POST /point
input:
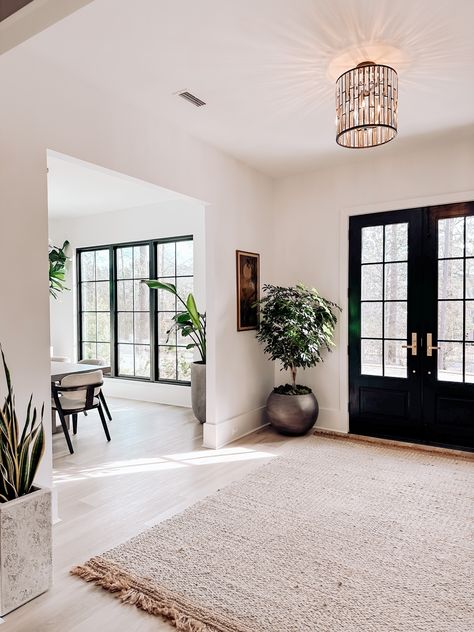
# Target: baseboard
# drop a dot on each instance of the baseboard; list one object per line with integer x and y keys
{"x": 331, "y": 419}
{"x": 171, "y": 394}
{"x": 218, "y": 435}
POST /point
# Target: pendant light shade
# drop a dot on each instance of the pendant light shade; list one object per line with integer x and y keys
{"x": 366, "y": 106}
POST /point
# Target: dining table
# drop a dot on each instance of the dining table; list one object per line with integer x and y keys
{"x": 59, "y": 370}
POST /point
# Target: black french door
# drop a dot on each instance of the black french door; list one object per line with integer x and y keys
{"x": 411, "y": 325}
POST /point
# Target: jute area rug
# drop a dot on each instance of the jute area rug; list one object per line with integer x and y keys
{"x": 332, "y": 536}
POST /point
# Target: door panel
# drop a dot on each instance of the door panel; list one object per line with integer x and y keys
{"x": 411, "y": 332}
{"x": 385, "y": 398}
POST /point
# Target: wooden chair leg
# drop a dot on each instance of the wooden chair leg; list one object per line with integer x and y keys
{"x": 65, "y": 430}
{"x": 104, "y": 404}
{"x": 74, "y": 423}
{"x": 104, "y": 422}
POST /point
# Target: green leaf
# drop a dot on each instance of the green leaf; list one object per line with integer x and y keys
{"x": 159, "y": 285}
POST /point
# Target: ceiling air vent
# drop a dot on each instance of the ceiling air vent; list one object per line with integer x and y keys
{"x": 191, "y": 98}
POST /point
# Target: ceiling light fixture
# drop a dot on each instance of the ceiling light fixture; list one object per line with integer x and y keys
{"x": 366, "y": 106}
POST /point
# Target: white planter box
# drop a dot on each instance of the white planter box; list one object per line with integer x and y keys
{"x": 25, "y": 549}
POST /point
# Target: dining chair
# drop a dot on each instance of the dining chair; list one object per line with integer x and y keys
{"x": 97, "y": 362}
{"x": 76, "y": 394}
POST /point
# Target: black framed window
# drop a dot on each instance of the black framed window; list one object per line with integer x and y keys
{"x": 94, "y": 298}
{"x": 125, "y": 324}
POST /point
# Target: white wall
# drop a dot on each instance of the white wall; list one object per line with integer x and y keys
{"x": 155, "y": 221}
{"x": 43, "y": 107}
{"x": 312, "y": 211}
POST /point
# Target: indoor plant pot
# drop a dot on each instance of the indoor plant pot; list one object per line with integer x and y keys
{"x": 190, "y": 323}
{"x": 296, "y": 325}
{"x": 25, "y": 548}
{"x": 25, "y": 510}
{"x": 292, "y": 414}
{"x": 198, "y": 390}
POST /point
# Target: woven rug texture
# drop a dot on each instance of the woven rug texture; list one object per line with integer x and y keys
{"x": 332, "y": 536}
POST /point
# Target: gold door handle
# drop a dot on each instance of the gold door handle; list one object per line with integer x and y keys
{"x": 429, "y": 345}
{"x": 414, "y": 345}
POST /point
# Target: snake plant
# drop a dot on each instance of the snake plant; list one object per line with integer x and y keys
{"x": 20, "y": 455}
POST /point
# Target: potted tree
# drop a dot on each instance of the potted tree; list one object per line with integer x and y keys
{"x": 191, "y": 324}
{"x": 296, "y": 327}
{"x": 25, "y": 510}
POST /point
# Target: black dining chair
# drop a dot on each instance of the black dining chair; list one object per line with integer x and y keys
{"x": 96, "y": 362}
{"x": 76, "y": 394}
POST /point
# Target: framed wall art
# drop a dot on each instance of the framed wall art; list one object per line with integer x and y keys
{"x": 248, "y": 289}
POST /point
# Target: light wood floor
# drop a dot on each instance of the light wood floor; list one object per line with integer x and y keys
{"x": 153, "y": 468}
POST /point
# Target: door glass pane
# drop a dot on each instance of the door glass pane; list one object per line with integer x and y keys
{"x": 371, "y": 320}
{"x": 450, "y": 319}
{"x": 372, "y": 244}
{"x": 371, "y": 357}
{"x": 469, "y": 278}
{"x": 396, "y": 281}
{"x": 395, "y": 359}
{"x": 396, "y": 242}
{"x": 451, "y": 237}
{"x": 450, "y": 278}
{"x": 469, "y": 377}
{"x": 450, "y": 361}
{"x": 469, "y": 324}
{"x": 470, "y": 236}
{"x": 371, "y": 283}
{"x": 396, "y": 320}
{"x": 89, "y": 350}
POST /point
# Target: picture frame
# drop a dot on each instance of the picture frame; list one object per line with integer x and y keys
{"x": 248, "y": 289}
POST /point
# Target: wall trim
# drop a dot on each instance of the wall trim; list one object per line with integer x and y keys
{"x": 218, "y": 435}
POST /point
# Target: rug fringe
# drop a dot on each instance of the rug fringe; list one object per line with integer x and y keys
{"x": 121, "y": 587}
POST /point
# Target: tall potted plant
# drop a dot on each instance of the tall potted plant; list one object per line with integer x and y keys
{"x": 191, "y": 324}
{"x": 296, "y": 327}
{"x": 25, "y": 510}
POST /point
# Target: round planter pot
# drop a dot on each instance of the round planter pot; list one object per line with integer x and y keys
{"x": 198, "y": 390}
{"x": 292, "y": 414}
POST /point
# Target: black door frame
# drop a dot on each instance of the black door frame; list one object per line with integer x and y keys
{"x": 421, "y": 386}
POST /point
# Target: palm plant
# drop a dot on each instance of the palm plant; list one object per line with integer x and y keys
{"x": 57, "y": 269}
{"x": 19, "y": 455}
{"x": 189, "y": 322}
{"x": 296, "y": 325}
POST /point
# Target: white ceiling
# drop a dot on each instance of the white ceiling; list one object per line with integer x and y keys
{"x": 266, "y": 67}
{"x": 77, "y": 188}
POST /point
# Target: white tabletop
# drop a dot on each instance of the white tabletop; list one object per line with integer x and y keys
{"x": 61, "y": 369}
